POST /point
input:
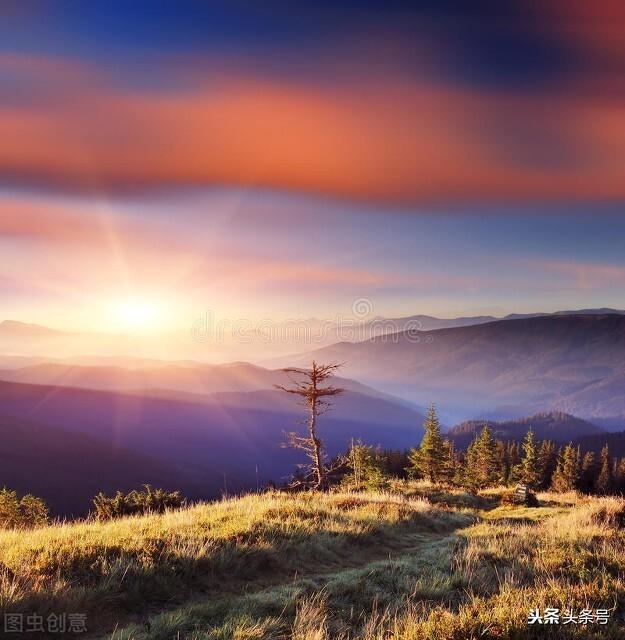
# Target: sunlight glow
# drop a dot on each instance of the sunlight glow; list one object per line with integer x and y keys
{"x": 137, "y": 314}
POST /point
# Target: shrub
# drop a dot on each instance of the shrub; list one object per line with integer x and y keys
{"x": 149, "y": 500}
{"x": 34, "y": 511}
{"x": 28, "y": 512}
{"x": 366, "y": 469}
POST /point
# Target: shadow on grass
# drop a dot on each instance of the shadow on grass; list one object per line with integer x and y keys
{"x": 112, "y": 585}
{"x": 350, "y": 596}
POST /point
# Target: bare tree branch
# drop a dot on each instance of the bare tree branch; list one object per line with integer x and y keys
{"x": 317, "y": 399}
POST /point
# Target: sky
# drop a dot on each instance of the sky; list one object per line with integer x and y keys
{"x": 283, "y": 160}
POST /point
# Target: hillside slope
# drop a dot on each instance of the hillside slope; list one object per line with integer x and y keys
{"x": 369, "y": 566}
{"x": 68, "y": 469}
{"x": 229, "y": 440}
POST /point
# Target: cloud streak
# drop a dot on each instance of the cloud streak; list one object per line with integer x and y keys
{"x": 587, "y": 276}
{"x": 369, "y": 115}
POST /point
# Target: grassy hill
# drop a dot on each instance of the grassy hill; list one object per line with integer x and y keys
{"x": 414, "y": 563}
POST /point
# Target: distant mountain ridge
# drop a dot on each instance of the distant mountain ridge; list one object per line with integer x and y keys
{"x": 14, "y": 328}
{"x": 549, "y": 425}
{"x": 381, "y": 325}
{"x": 601, "y": 311}
{"x": 359, "y": 330}
{"x": 153, "y": 375}
{"x": 567, "y": 362}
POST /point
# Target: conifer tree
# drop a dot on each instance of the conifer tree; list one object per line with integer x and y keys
{"x": 603, "y": 485}
{"x": 34, "y": 511}
{"x": 547, "y": 462}
{"x": 10, "y": 515}
{"x": 529, "y": 471}
{"x": 566, "y": 475}
{"x": 619, "y": 476}
{"x": 366, "y": 468}
{"x": 449, "y": 470}
{"x": 503, "y": 460}
{"x": 429, "y": 460}
{"x": 481, "y": 461}
{"x": 588, "y": 473}
{"x": 469, "y": 474}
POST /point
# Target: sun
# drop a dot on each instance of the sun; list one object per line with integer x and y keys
{"x": 138, "y": 315}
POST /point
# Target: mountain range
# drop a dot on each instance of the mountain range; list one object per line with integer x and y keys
{"x": 16, "y": 330}
{"x": 386, "y": 326}
{"x": 124, "y": 374}
{"x": 75, "y": 425}
{"x": 503, "y": 369}
{"x": 260, "y": 344}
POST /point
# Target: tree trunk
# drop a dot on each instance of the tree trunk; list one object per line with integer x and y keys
{"x": 316, "y": 443}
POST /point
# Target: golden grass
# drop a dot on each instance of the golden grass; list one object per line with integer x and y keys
{"x": 569, "y": 560}
{"x": 114, "y": 570}
{"x": 339, "y": 566}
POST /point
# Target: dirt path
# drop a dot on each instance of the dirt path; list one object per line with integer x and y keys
{"x": 419, "y": 549}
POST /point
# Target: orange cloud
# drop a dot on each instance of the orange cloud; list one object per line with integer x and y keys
{"x": 381, "y": 138}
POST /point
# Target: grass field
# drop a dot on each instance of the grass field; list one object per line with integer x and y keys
{"x": 416, "y": 562}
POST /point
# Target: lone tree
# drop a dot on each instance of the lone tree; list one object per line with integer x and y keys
{"x": 317, "y": 399}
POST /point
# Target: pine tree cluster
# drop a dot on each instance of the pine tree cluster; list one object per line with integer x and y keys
{"x": 538, "y": 464}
